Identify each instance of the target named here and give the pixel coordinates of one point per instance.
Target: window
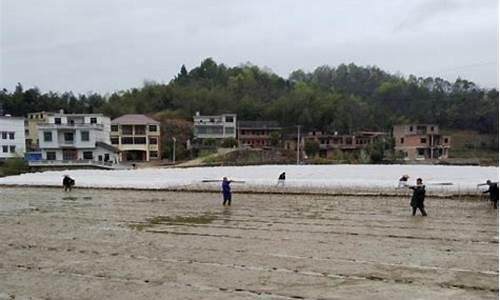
(420, 151)
(5, 149)
(93, 120)
(26, 132)
(85, 136)
(106, 157)
(57, 120)
(140, 129)
(446, 141)
(4, 135)
(402, 140)
(47, 136)
(11, 135)
(12, 149)
(127, 129)
(88, 155)
(423, 140)
(229, 119)
(153, 140)
(114, 128)
(115, 140)
(229, 130)
(411, 128)
(153, 154)
(140, 140)
(127, 140)
(432, 128)
(152, 128)
(68, 137)
(51, 156)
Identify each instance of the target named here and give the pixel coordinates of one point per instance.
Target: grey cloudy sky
(109, 45)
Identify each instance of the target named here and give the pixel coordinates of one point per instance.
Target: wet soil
(89, 244)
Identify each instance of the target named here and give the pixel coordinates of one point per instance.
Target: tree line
(345, 98)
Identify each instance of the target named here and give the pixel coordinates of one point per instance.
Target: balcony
(72, 163)
(71, 126)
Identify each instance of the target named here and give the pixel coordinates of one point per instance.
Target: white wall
(15, 125)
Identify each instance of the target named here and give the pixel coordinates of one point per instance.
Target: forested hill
(343, 98)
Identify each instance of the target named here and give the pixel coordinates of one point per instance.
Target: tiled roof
(134, 119)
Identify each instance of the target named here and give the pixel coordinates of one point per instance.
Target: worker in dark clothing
(281, 179)
(493, 190)
(68, 183)
(226, 191)
(417, 200)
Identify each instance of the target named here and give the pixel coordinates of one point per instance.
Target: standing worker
(493, 190)
(417, 200)
(281, 179)
(226, 191)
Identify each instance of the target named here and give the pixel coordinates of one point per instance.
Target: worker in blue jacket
(226, 191)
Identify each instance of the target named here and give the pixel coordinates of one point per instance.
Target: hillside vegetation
(344, 98)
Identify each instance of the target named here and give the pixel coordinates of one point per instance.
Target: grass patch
(176, 220)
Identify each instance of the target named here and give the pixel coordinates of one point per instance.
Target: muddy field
(96, 244)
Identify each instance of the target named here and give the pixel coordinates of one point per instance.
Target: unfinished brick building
(420, 142)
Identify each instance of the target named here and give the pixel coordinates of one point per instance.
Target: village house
(329, 143)
(71, 139)
(258, 134)
(137, 136)
(12, 139)
(420, 142)
(217, 127)
(32, 122)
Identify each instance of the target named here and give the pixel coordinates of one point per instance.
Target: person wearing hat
(281, 179)
(403, 181)
(417, 200)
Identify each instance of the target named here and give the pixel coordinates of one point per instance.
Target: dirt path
(91, 244)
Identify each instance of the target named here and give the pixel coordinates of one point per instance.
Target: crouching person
(68, 183)
(417, 200)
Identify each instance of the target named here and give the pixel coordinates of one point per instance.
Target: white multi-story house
(138, 137)
(12, 141)
(76, 137)
(214, 127)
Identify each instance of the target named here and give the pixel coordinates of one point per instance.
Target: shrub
(14, 166)
(229, 143)
(311, 148)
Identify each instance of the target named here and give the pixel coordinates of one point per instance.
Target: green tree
(311, 148)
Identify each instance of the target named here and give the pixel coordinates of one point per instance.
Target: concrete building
(217, 127)
(12, 138)
(76, 137)
(329, 143)
(420, 142)
(137, 137)
(32, 122)
(258, 134)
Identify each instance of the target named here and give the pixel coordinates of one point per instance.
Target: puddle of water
(175, 220)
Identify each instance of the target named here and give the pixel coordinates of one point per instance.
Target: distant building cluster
(58, 139)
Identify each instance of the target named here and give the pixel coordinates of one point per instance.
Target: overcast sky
(109, 45)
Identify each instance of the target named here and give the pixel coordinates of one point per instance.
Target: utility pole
(298, 144)
(173, 150)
